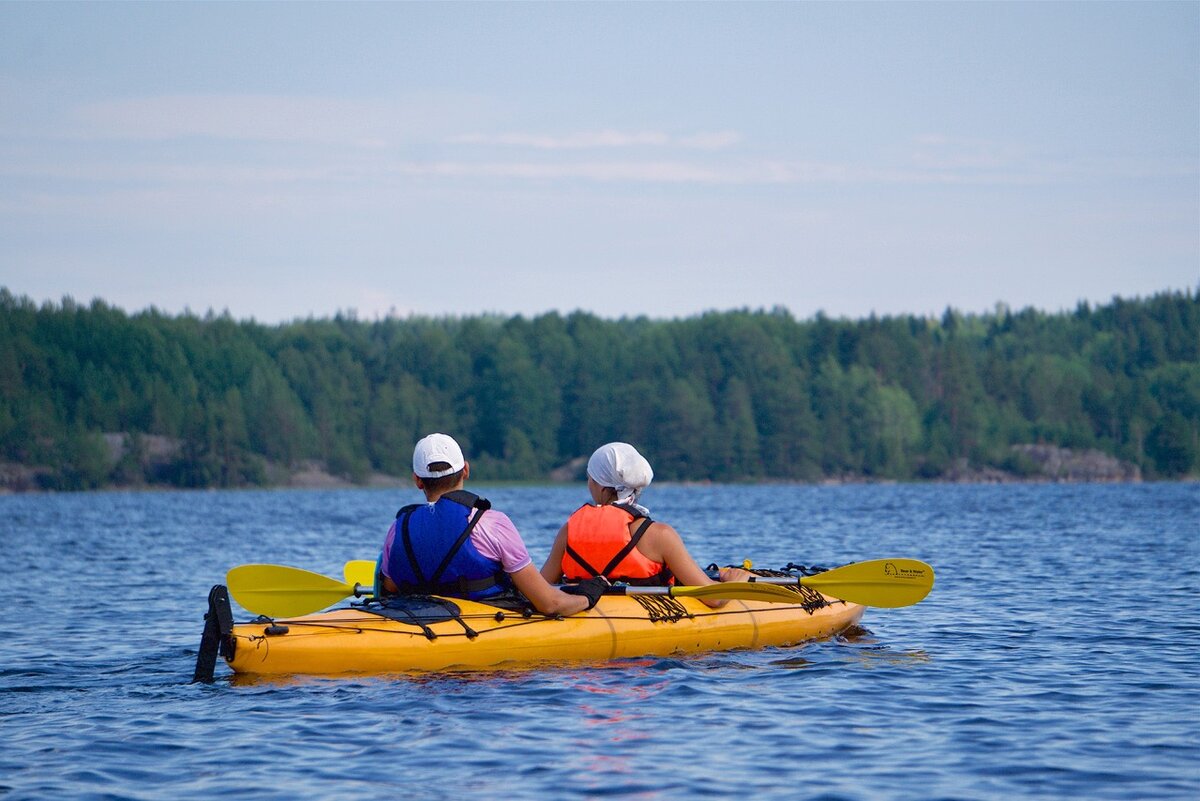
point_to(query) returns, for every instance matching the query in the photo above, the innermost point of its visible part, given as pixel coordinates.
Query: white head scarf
(620, 466)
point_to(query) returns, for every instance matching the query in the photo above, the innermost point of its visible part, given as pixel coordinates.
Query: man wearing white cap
(456, 545)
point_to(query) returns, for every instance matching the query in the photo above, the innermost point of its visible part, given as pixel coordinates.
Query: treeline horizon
(725, 396)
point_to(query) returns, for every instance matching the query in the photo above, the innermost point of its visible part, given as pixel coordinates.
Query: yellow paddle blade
(740, 590)
(886, 583)
(279, 591)
(360, 571)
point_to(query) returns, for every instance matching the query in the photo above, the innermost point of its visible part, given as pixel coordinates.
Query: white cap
(620, 466)
(437, 448)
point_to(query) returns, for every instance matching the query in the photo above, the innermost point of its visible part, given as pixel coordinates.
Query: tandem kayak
(431, 633)
(423, 633)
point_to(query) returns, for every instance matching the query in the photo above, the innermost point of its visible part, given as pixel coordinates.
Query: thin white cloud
(328, 166)
(573, 141)
(940, 152)
(683, 172)
(330, 170)
(360, 123)
(950, 159)
(263, 118)
(607, 138)
(712, 140)
(370, 123)
(599, 171)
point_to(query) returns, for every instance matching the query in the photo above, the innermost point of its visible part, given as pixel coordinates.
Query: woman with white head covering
(620, 467)
(614, 537)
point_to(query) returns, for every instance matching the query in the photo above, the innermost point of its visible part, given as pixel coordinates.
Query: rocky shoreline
(1029, 463)
(1049, 463)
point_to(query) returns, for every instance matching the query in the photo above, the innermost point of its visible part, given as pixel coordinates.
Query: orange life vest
(599, 536)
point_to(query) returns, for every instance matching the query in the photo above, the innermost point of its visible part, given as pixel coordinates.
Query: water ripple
(1055, 658)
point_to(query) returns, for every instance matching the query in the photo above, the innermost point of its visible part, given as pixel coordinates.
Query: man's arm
(546, 598)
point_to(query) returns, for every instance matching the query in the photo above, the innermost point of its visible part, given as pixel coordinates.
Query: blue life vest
(432, 553)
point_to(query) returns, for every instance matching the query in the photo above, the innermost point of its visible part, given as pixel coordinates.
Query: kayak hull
(480, 636)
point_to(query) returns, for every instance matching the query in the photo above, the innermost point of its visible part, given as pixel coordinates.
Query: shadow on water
(854, 645)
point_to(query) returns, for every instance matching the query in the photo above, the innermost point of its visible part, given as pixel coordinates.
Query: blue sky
(279, 160)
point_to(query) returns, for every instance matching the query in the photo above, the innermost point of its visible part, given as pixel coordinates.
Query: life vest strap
(462, 497)
(459, 588)
(581, 561)
(458, 544)
(408, 546)
(633, 541)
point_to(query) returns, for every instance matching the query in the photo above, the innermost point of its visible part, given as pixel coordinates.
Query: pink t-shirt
(494, 536)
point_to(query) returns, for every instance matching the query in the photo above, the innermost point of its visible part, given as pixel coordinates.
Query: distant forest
(91, 396)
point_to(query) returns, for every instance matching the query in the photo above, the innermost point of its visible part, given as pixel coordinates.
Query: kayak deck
(437, 634)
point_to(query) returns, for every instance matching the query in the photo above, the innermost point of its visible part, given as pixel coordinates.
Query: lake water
(1057, 657)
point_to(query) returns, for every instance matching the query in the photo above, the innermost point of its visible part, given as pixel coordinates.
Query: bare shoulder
(661, 529)
(659, 541)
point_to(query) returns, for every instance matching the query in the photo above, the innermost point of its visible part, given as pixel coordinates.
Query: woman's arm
(681, 564)
(552, 568)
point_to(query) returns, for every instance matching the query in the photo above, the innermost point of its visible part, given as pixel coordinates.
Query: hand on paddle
(591, 588)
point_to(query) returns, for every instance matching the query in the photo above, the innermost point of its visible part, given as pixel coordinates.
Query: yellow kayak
(429, 633)
(432, 633)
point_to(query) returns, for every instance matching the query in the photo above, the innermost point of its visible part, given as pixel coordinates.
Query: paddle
(360, 571)
(886, 583)
(280, 591)
(726, 590)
